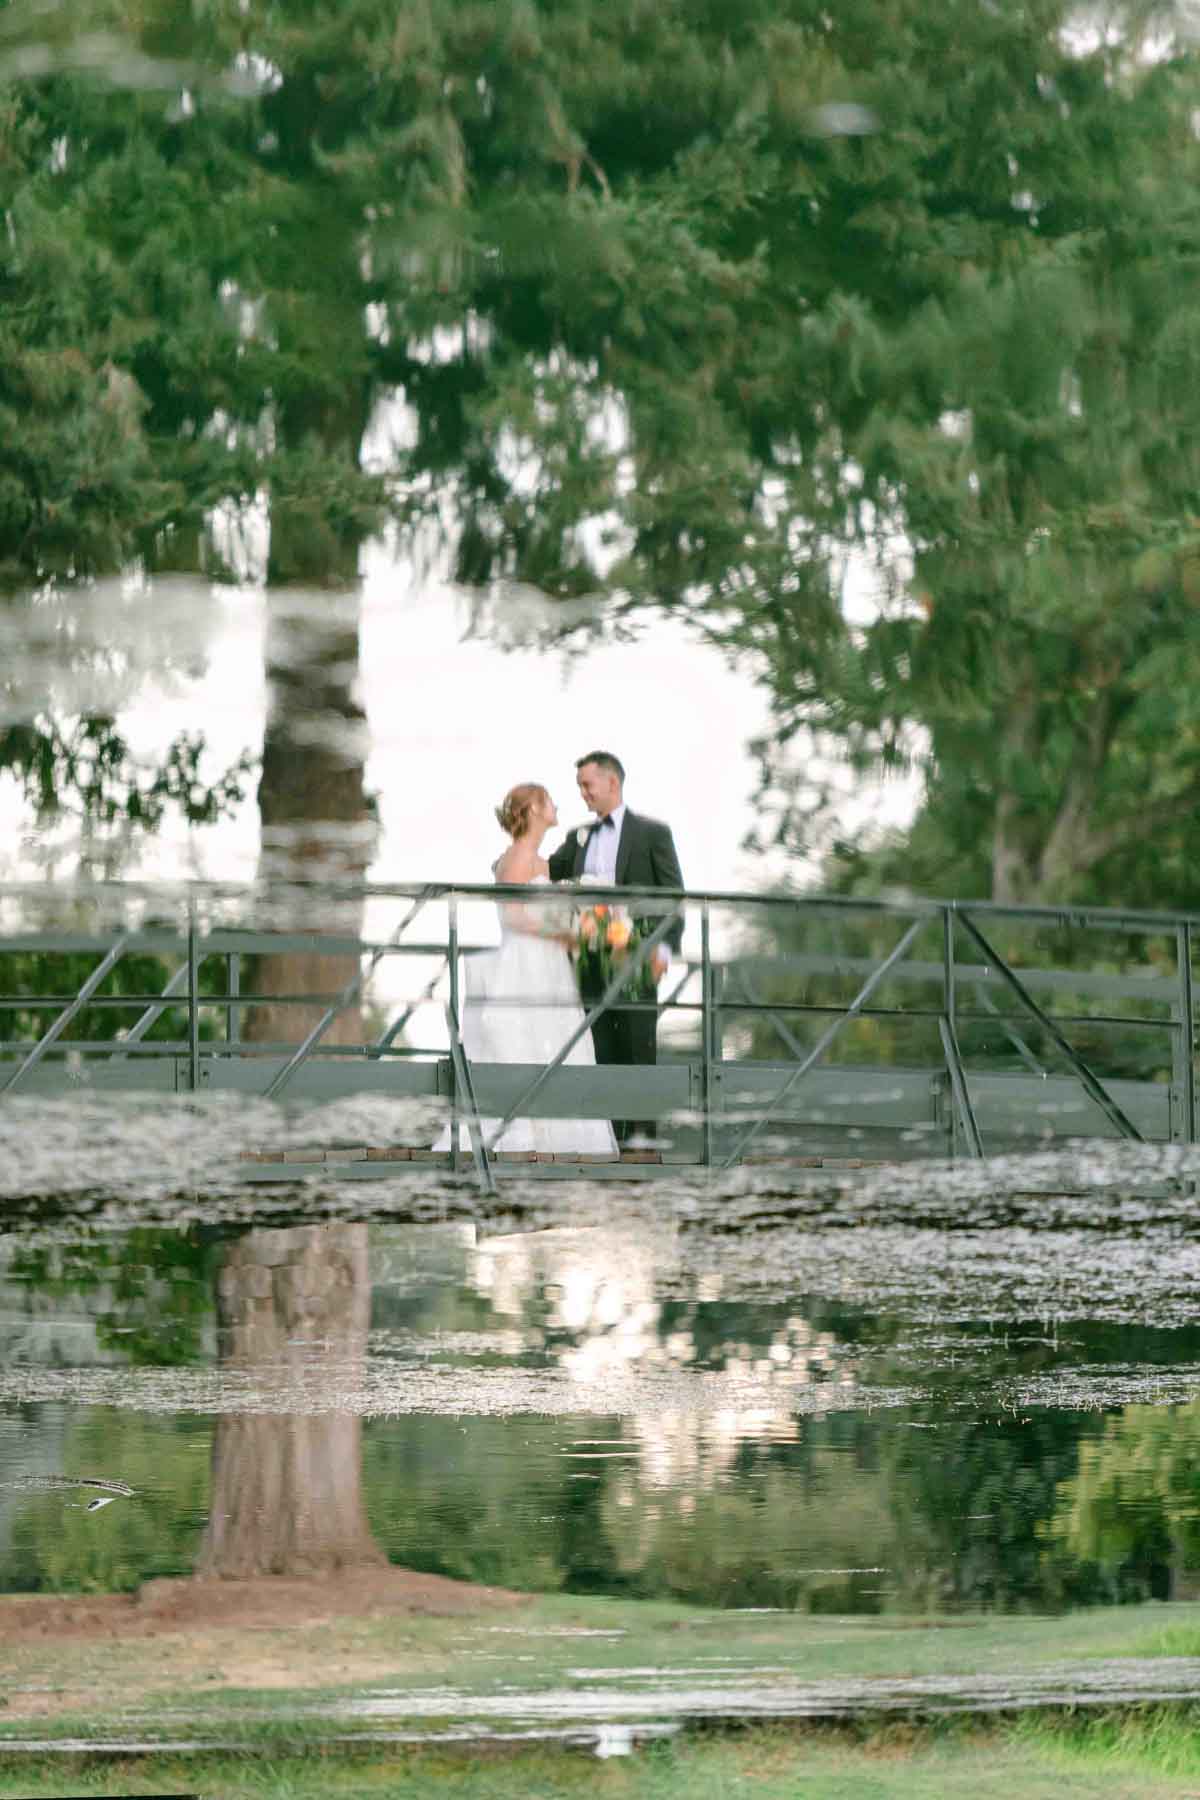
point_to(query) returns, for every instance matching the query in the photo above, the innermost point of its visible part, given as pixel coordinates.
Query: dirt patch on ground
(266, 1602)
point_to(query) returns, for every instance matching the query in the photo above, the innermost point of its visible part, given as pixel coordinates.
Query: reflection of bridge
(960, 1027)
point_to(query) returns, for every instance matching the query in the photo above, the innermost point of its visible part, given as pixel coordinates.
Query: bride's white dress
(520, 1005)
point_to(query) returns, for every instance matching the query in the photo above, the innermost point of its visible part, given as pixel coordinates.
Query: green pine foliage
(1026, 425)
(685, 304)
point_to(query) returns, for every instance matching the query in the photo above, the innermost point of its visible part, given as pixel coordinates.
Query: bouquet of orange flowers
(605, 936)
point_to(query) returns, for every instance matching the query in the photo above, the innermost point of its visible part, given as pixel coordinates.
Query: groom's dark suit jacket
(645, 858)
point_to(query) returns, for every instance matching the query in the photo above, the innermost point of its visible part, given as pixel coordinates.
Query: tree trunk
(316, 820)
(286, 1492)
(1069, 850)
(1012, 876)
(317, 823)
(1010, 866)
(287, 1488)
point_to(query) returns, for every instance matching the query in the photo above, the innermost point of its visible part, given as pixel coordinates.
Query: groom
(621, 849)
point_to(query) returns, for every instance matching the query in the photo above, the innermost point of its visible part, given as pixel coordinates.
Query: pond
(588, 1460)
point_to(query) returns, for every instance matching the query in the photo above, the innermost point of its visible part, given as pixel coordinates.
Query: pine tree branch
(1138, 827)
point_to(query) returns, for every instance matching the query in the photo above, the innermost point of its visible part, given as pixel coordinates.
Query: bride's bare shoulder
(517, 864)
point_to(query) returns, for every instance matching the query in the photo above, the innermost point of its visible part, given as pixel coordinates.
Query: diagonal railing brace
(103, 968)
(177, 985)
(348, 994)
(1014, 1037)
(823, 1042)
(388, 1037)
(783, 1030)
(1095, 1087)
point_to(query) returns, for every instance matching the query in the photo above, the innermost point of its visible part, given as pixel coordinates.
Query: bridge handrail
(1158, 989)
(183, 894)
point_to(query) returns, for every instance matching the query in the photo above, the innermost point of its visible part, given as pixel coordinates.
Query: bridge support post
(962, 1120)
(452, 1018)
(964, 1112)
(464, 1082)
(233, 1015)
(193, 991)
(707, 1023)
(1183, 1035)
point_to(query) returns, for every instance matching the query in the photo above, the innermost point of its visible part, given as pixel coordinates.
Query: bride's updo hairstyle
(517, 807)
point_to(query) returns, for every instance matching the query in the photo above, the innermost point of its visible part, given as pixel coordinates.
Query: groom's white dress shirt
(600, 860)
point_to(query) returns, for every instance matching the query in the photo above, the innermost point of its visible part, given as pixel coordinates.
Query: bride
(521, 1002)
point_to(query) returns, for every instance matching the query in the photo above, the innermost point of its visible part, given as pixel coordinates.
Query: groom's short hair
(604, 759)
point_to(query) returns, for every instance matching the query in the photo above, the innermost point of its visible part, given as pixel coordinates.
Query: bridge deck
(842, 1117)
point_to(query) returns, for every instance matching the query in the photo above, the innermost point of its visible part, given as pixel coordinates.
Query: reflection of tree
(969, 1499)
(1131, 1508)
(55, 1545)
(287, 1487)
(798, 1525)
(701, 1502)
(766, 1503)
(475, 1503)
(131, 1285)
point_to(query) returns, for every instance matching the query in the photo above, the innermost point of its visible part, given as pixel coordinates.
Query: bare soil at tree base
(268, 1602)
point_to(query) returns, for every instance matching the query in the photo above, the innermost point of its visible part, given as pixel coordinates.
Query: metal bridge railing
(768, 985)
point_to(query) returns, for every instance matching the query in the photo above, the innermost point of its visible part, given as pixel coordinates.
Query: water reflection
(577, 1410)
(1133, 1501)
(592, 1299)
(286, 1486)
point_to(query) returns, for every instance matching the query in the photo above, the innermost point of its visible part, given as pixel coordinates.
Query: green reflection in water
(944, 1505)
(55, 1544)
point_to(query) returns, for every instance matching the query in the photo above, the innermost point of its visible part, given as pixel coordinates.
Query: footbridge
(794, 1029)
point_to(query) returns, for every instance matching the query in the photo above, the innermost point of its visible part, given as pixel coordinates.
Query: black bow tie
(599, 824)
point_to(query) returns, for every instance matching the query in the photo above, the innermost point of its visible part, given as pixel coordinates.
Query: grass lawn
(1154, 1756)
(323, 1673)
(279, 1690)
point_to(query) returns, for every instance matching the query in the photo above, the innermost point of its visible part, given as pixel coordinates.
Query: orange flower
(588, 927)
(601, 912)
(618, 934)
